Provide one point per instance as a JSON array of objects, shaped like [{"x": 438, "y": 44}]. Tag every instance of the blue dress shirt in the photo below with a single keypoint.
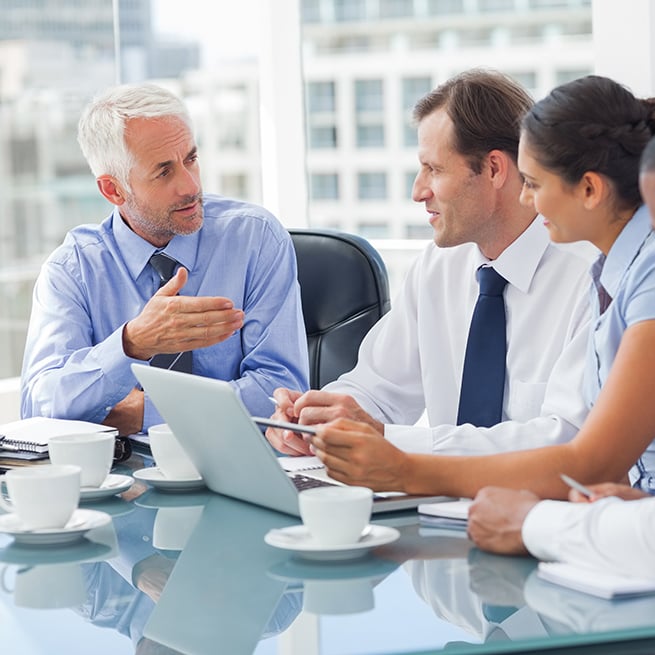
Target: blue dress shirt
[
  {"x": 99, "y": 278},
  {"x": 628, "y": 275}
]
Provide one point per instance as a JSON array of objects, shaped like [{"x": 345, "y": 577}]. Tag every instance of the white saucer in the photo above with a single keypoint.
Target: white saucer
[
  {"x": 297, "y": 539},
  {"x": 152, "y": 475},
  {"x": 112, "y": 485},
  {"x": 81, "y": 522}
]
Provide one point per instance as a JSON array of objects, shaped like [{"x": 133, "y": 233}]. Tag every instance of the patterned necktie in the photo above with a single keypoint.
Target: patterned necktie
[
  {"x": 483, "y": 377},
  {"x": 165, "y": 267}
]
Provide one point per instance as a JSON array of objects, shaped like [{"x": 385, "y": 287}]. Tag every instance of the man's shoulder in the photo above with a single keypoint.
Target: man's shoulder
[
  {"x": 80, "y": 239},
  {"x": 223, "y": 214},
  {"x": 223, "y": 208}
]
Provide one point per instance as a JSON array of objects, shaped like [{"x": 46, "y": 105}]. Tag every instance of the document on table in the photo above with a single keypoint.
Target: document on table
[
  {"x": 595, "y": 582},
  {"x": 451, "y": 514}
]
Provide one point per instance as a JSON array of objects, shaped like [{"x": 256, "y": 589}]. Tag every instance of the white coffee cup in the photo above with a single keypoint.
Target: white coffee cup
[
  {"x": 169, "y": 455},
  {"x": 92, "y": 452},
  {"x": 336, "y": 516},
  {"x": 43, "y": 496},
  {"x": 47, "y": 586}
]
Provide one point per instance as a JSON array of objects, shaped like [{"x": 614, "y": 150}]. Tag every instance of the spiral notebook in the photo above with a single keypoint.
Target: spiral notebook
[{"x": 31, "y": 435}]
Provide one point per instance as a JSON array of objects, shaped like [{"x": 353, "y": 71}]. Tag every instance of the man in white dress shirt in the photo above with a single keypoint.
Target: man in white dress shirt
[{"x": 412, "y": 360}]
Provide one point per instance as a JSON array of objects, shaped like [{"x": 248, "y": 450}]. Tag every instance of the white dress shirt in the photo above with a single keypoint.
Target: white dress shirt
[
  {"x": 412, "y": 359},
  {"x": 609, "y": 534}
]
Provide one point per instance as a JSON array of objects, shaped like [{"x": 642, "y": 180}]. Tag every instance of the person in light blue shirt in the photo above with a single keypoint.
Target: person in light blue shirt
[{"x": 98, "y": 307}]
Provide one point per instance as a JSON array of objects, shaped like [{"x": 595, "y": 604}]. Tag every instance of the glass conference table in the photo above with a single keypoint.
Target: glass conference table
[{"x": 191, "y": 573}]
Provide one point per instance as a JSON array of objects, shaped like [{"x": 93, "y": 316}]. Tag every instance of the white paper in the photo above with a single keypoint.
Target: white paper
[{"x": 592, "y": 581}]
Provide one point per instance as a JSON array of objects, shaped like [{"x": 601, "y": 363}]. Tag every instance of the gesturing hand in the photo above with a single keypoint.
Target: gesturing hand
[{"x": 170, "y": 323}]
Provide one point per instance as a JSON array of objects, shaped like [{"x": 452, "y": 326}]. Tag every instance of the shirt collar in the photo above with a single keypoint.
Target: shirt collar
[
  {"x": 137, "y": 251},
  {"x": 624, "y": 250},
  {"x": 520, "y": 260}
]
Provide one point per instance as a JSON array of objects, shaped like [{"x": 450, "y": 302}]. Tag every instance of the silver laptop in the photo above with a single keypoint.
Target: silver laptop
[{"x": 227, "y": 447}]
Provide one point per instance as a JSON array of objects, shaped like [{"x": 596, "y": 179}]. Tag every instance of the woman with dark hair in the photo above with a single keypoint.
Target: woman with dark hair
[
  {"x": 579, "y": 155},
  {"x": 609, "y": 534}
]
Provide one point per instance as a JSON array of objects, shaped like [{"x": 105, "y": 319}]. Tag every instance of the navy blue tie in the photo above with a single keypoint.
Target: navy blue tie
[
  {"x": 165, "y": 267},
  {"x": 483, "y": 377}
]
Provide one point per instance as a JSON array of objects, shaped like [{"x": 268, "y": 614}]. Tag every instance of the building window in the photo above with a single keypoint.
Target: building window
[
  {"x": 564, "y": 76},
  {"x": 373, "y": 230},
  {"x": 369, "y": 96},
  {"x": 489, "y": 6},
  {"x": 410, "y": 176},
  {"x": 418, "y": 231},
  {"x": 235, "y": 185},
  {"x": 370, "y": 136},
  {"x": 322, "y": 137},
  {"x": 444, "y": 7},
  {"x": 311, "y": 11},
  {"x": 527, "y": 79},
  {"x": 320, "y": 97},
  {"x": 324, "y": 186},
  {"x": 372, "y": 186},
  {"x": 396, "y": 8},
  {"x": 413, "y": 88},
  {"x": 347, "y": 10}
]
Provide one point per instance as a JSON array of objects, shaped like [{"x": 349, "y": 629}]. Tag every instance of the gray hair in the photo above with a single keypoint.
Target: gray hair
[{"x": 101, "y": 129}]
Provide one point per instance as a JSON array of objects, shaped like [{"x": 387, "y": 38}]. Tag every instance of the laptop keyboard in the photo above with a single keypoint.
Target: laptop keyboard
[{"x": 303, "y": 482}]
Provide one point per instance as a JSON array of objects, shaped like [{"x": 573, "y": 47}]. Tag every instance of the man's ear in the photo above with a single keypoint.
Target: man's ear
[
  {"x": 499, "y": 165},
  {"x": 111, "y": 189}
]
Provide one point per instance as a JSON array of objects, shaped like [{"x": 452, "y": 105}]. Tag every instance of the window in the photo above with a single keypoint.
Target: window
[
  {"x": 370, "y": 136},
  {"x": 410, "y": 176},
  {"x": 413, "y": 88},
  {"x": 324, "y": 186},
  {"x": 564, "y": 76},
  {"x": 358, "y": 106},
  {"x": 443, "y": 7},
  {"x": 320, "y": 97},
  {"x": 372, "y": 186},
  {"x": 322, "y": 137},
  {"x": 369, "y": 96},
  {"x": 396, "y": 8},
  {"x": 373, "y": 230},
  {"x": 347, "y": 10}
]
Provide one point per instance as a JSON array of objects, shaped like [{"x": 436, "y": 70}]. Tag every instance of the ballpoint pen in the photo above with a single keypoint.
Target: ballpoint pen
[
  {"x": 574, "y": 484},
  {"x": 284, "y": 425}
]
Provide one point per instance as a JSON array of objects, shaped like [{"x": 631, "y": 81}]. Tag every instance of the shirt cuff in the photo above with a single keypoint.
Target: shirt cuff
[
  {"x": 547, "y": 519},
  {"x": 409, "y": 438}
]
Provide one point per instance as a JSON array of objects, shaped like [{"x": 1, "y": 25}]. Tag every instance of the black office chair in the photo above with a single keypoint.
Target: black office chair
[{"x": 345, "y": 291}]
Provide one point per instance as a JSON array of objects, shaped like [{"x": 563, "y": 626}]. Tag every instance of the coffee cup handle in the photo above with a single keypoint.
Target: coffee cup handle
[
  {"x": 3, "y": 579},
  {"x": 4, "y": 503}
]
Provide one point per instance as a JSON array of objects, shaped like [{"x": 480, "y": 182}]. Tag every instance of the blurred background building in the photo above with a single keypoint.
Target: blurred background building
[{"x": 362, "y": 66}]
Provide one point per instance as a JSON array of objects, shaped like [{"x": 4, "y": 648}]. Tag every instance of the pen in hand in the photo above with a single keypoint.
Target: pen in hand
[{"x": 574, "y": 484}]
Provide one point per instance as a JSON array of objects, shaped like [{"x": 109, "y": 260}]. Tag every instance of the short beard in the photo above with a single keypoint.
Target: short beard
[{"x": 160, "y": 228}]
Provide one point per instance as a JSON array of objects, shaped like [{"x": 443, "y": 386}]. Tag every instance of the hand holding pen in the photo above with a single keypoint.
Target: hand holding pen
[{"x": 591, "y": 493}]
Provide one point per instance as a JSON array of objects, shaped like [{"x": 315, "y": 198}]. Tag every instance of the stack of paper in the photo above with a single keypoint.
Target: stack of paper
[
  {"x": 452, "y": 514},
  {"x": 592, "y": 581}
]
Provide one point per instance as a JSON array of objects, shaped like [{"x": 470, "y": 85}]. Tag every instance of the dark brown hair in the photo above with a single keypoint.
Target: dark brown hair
[
  {"x": 592, "y": 124},
  {"x": 486, "y": 108}
]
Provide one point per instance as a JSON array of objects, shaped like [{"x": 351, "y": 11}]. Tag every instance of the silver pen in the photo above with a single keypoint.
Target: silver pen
[{"x": 574, "y": 484}]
